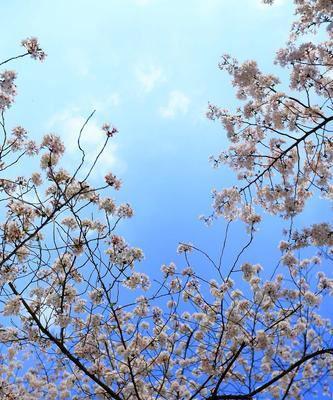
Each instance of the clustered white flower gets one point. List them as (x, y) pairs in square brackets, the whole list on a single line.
[(32, 46), (63, 268)]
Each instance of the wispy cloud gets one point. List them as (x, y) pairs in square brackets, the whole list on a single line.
[(178, 103), (149, 76), (104, 104), (68, 125)]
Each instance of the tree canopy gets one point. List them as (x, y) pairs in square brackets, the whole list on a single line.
[(79, 320)]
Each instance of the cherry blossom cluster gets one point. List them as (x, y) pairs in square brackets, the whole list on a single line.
[(7, 89), (33, 48), (80, 320), (281, 143)]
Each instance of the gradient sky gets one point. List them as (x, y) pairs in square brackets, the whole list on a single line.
[(150, 68)]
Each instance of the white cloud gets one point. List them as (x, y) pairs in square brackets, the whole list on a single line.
[(149, 77), (177, 103), (105, 104), (68, 125)]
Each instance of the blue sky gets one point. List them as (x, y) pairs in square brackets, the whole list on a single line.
[(150, 68)]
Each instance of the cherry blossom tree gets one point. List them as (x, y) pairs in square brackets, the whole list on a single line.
[(79, 321)]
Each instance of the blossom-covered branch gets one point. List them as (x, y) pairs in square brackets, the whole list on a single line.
[(78, 317)]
